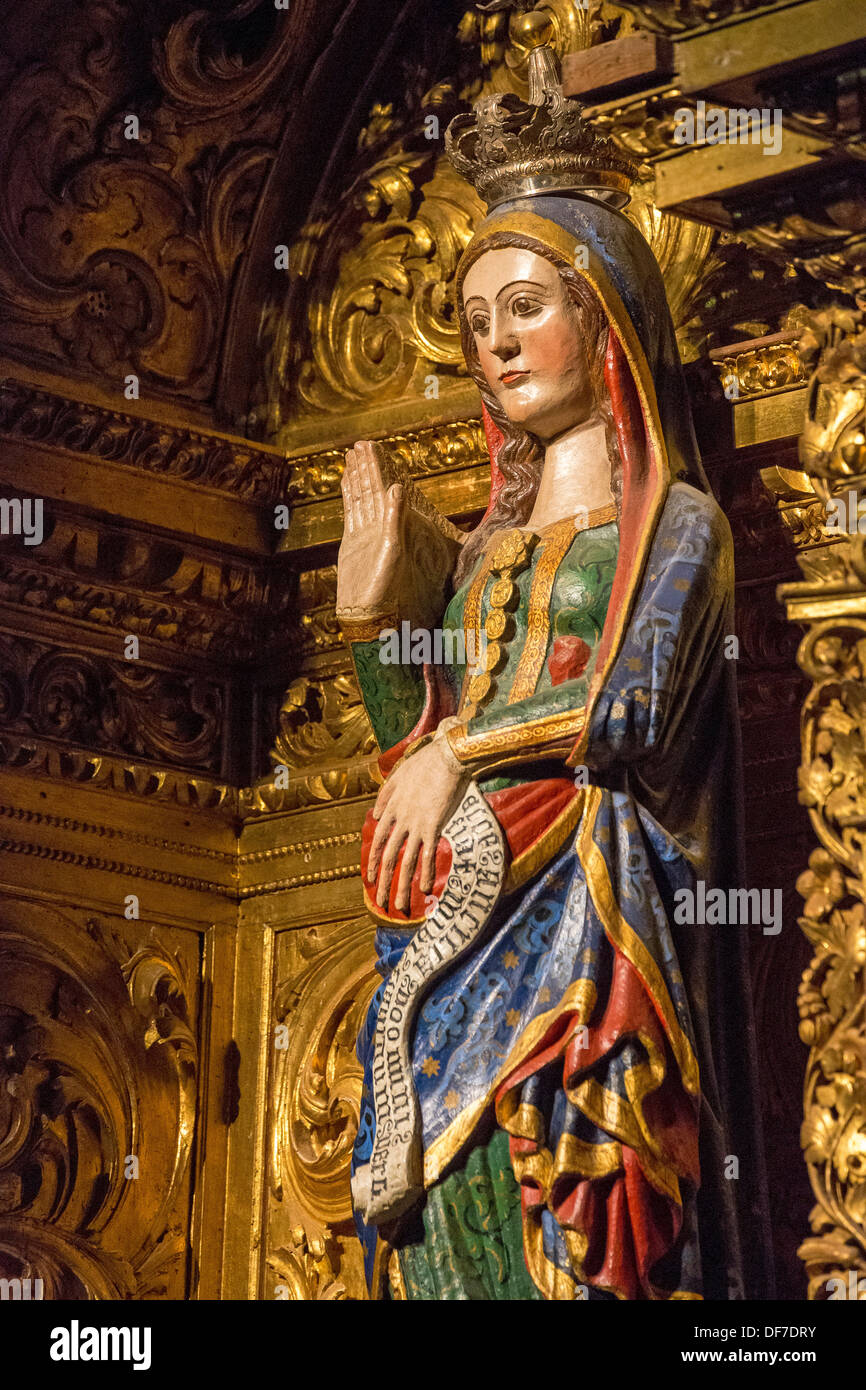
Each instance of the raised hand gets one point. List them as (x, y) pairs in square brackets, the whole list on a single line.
[(394, 559), (371, 553)]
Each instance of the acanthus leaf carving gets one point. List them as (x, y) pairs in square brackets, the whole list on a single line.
[(85, 1116), (304, 1270), (317, 1078)]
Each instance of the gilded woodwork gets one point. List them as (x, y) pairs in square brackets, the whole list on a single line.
[(380, 316), (503, 35), (99, 1039), (316, 1087), (119, 706), (304, 1271), (168, 448), (810, 225), (419, 453), (680, 16), (324, 982), (375, 319), (321, 722), (827, 243), (830, 602), (161, 525), (105, 772), (142, 234), (752, 369)]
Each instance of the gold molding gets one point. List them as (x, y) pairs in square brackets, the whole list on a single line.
[(831, 602)]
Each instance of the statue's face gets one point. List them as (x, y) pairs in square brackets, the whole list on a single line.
[(529, 339)]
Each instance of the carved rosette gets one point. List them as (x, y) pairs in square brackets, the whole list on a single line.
[(831, 601)]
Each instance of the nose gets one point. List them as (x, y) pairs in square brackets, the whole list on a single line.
[(503, 340)]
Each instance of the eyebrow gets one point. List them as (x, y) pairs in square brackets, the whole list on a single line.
[(531, 284)]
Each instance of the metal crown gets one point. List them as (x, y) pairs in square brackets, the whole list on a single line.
[(509, 148)]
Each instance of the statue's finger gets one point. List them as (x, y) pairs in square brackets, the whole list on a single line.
[(365, 474), (355, 490), (385, 793), (377, 453), (428, 865), (383, 830), (377, 485), (346, 489), (389, 859), (394, 515), (347, 470), (407, 868)]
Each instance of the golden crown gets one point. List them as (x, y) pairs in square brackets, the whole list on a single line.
[(509, 148)]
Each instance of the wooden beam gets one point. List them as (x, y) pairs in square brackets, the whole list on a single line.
[(624, 64), (770, 43)]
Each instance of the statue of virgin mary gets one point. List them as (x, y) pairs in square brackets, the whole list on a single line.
[(559, 1097)]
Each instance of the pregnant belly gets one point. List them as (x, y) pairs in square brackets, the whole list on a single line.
[(536, 819)]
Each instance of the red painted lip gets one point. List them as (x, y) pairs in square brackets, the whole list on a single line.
[(512, 376)]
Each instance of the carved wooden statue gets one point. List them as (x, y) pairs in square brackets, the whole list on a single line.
[(559, 1095)]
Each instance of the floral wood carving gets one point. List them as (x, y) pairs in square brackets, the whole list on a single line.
[(370, 313), (380, 315), (43, 758), (317, 1078), (678, 16), (119, 241), (832, 999), (232, 466), (304, 1271), (90, 1123), (135, 582), (111, 706), (322, 721)]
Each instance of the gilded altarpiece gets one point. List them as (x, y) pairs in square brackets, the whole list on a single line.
[(224, 781)]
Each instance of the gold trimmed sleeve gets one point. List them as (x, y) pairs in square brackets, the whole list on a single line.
[(366, 629), (550, 736)]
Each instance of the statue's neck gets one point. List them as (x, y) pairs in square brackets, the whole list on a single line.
[(575, 476)]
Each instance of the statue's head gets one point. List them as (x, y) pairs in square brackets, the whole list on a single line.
[(534, 337), (590, 327)]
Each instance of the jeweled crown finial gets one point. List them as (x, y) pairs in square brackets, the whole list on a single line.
[(509, 148)]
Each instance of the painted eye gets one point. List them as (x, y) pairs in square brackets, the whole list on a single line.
[(479, 324), (524, 306)]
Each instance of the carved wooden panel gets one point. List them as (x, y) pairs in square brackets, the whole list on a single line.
[(99, 1066)]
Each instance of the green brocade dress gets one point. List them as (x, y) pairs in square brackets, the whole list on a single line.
[(472, 1246)]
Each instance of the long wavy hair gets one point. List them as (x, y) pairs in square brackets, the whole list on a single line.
[(521, 457)]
